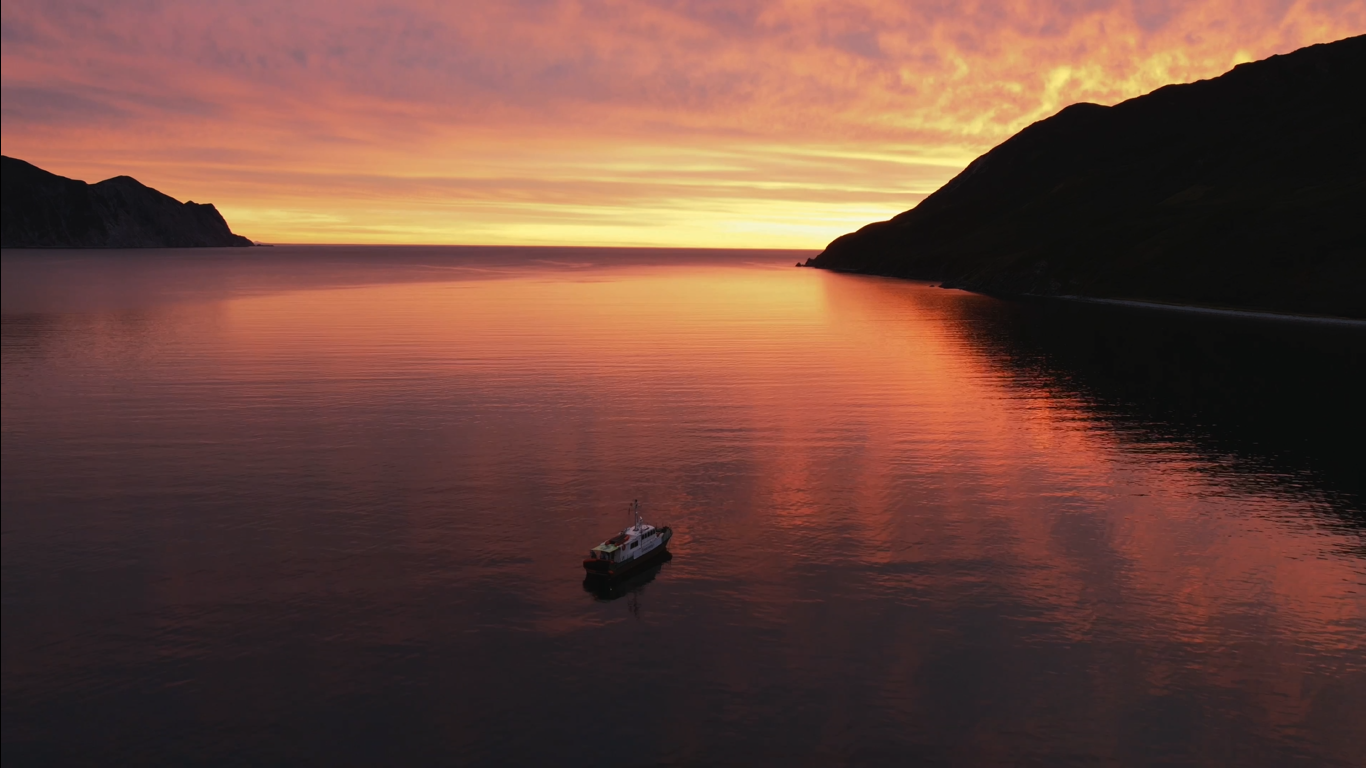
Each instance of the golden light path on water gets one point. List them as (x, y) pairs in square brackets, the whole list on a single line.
[(911, 503)]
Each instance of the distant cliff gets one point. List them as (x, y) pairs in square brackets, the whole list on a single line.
[(1247, 190), (43, 210)]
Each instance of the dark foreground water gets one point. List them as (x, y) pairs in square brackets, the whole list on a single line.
[(326, 506)]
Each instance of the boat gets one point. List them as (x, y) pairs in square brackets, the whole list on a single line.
[(632, 549)]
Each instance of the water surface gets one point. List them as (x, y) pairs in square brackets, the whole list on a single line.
[(320, 505)]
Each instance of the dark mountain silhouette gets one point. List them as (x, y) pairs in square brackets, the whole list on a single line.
[(43, 210), (1244, 191)]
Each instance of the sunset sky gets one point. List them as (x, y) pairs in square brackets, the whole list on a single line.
[(726, 123)]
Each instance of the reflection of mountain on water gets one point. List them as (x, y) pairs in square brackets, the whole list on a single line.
[(613, 589), (1268, 401), (1268, 406)]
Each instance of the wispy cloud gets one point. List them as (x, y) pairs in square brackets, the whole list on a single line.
[(751, 112)]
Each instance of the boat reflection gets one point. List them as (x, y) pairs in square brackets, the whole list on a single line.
[(606, 589)]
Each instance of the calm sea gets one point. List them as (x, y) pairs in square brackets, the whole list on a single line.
[(327, 506)]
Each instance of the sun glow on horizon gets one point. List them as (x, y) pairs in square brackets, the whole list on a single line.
[(774, 123)]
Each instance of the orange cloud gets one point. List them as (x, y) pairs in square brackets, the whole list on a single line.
[(681, 122)]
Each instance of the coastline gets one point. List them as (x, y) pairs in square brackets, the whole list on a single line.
[(1250, 313), (1258, 314)]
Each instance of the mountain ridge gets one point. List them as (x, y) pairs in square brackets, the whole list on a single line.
[(1243, 191), (39, 209)]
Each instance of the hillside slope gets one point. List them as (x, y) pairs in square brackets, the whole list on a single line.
[(43, 210), (1247, 190)]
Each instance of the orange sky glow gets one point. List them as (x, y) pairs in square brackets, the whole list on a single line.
[(719, 123)]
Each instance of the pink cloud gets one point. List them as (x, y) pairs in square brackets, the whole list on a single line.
[(414, 87)]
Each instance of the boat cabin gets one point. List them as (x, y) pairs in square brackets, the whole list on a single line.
[(627, 545), (630, 549)]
